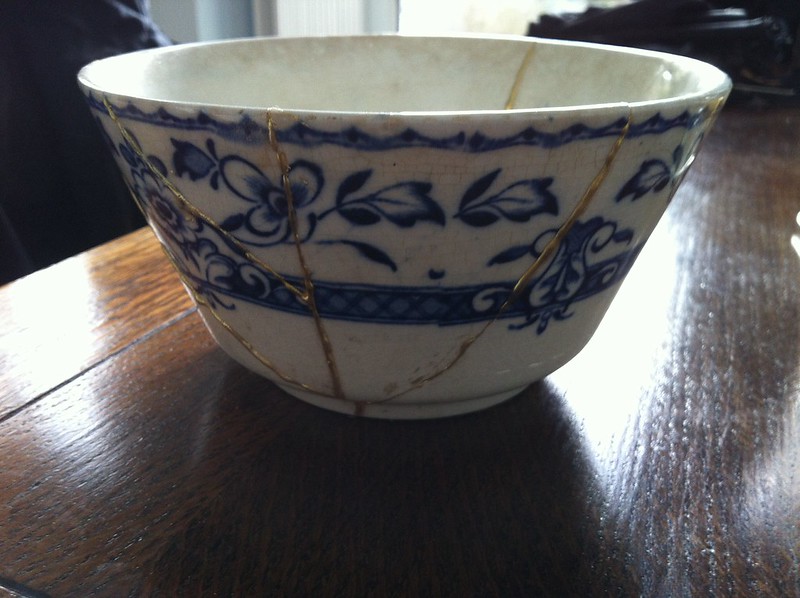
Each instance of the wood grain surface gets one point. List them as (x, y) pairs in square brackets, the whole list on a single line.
[(136, 459), (65, 319)]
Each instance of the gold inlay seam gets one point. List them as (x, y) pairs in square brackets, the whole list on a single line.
[(193, 212), (543, 257), (307, 296), (308, 282), (548, 250), (511, 102)]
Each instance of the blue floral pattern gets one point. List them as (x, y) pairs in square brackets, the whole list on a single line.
[(594, 255)]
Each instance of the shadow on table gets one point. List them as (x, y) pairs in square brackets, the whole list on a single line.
[(308, 502)]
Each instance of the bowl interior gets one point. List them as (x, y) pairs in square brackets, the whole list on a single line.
[(400, 74)]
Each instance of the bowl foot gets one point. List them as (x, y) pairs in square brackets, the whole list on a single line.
[(400, 410)]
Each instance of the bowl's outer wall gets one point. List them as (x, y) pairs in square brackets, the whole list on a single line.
[(413, 230)]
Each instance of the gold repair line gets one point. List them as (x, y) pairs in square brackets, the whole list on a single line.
[(576, 213), (309, 295), (549, 249), (199, 300), (715, 107), (195, 212), (523, 67)]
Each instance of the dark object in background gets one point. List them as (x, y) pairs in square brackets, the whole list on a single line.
[(60, 191), (755, 42)]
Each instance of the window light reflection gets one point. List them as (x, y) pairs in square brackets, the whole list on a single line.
[(630, 337), (57, 310), (55, 336), (773, 486)]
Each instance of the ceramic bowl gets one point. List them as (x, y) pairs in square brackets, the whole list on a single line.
[(402, 227)]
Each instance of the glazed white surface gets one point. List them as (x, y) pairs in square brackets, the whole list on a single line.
[(400, 74), (420, 205)]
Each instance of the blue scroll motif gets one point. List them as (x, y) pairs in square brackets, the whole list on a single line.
[(571, 278), (575, 273)]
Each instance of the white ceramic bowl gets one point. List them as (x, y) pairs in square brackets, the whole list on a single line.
[(403, 227)]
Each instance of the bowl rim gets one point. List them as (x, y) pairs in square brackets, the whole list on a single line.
[(716, 83)]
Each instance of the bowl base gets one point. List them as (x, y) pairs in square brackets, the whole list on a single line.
[(399, 410)]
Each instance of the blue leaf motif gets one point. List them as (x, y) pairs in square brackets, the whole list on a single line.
[(478, 188), (126, 150), (403, 204), (518, 202), (352, 183), (368, 251), (653, 175), (512, 254), (233, 222), (190, 159), (523, 200), (211, 147), (677, 155), (106, 137), (360, 216), (156, 163)]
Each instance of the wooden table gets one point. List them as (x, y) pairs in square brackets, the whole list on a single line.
[(136, 458)]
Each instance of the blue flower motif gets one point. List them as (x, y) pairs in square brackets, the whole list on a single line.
[(182, 233), (268, 218), (266, 221), (151, 194)]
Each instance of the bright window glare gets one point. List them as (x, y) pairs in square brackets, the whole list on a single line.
[(796, 238), (631, 335), (55, 337), (479, 16), (51, 312)]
